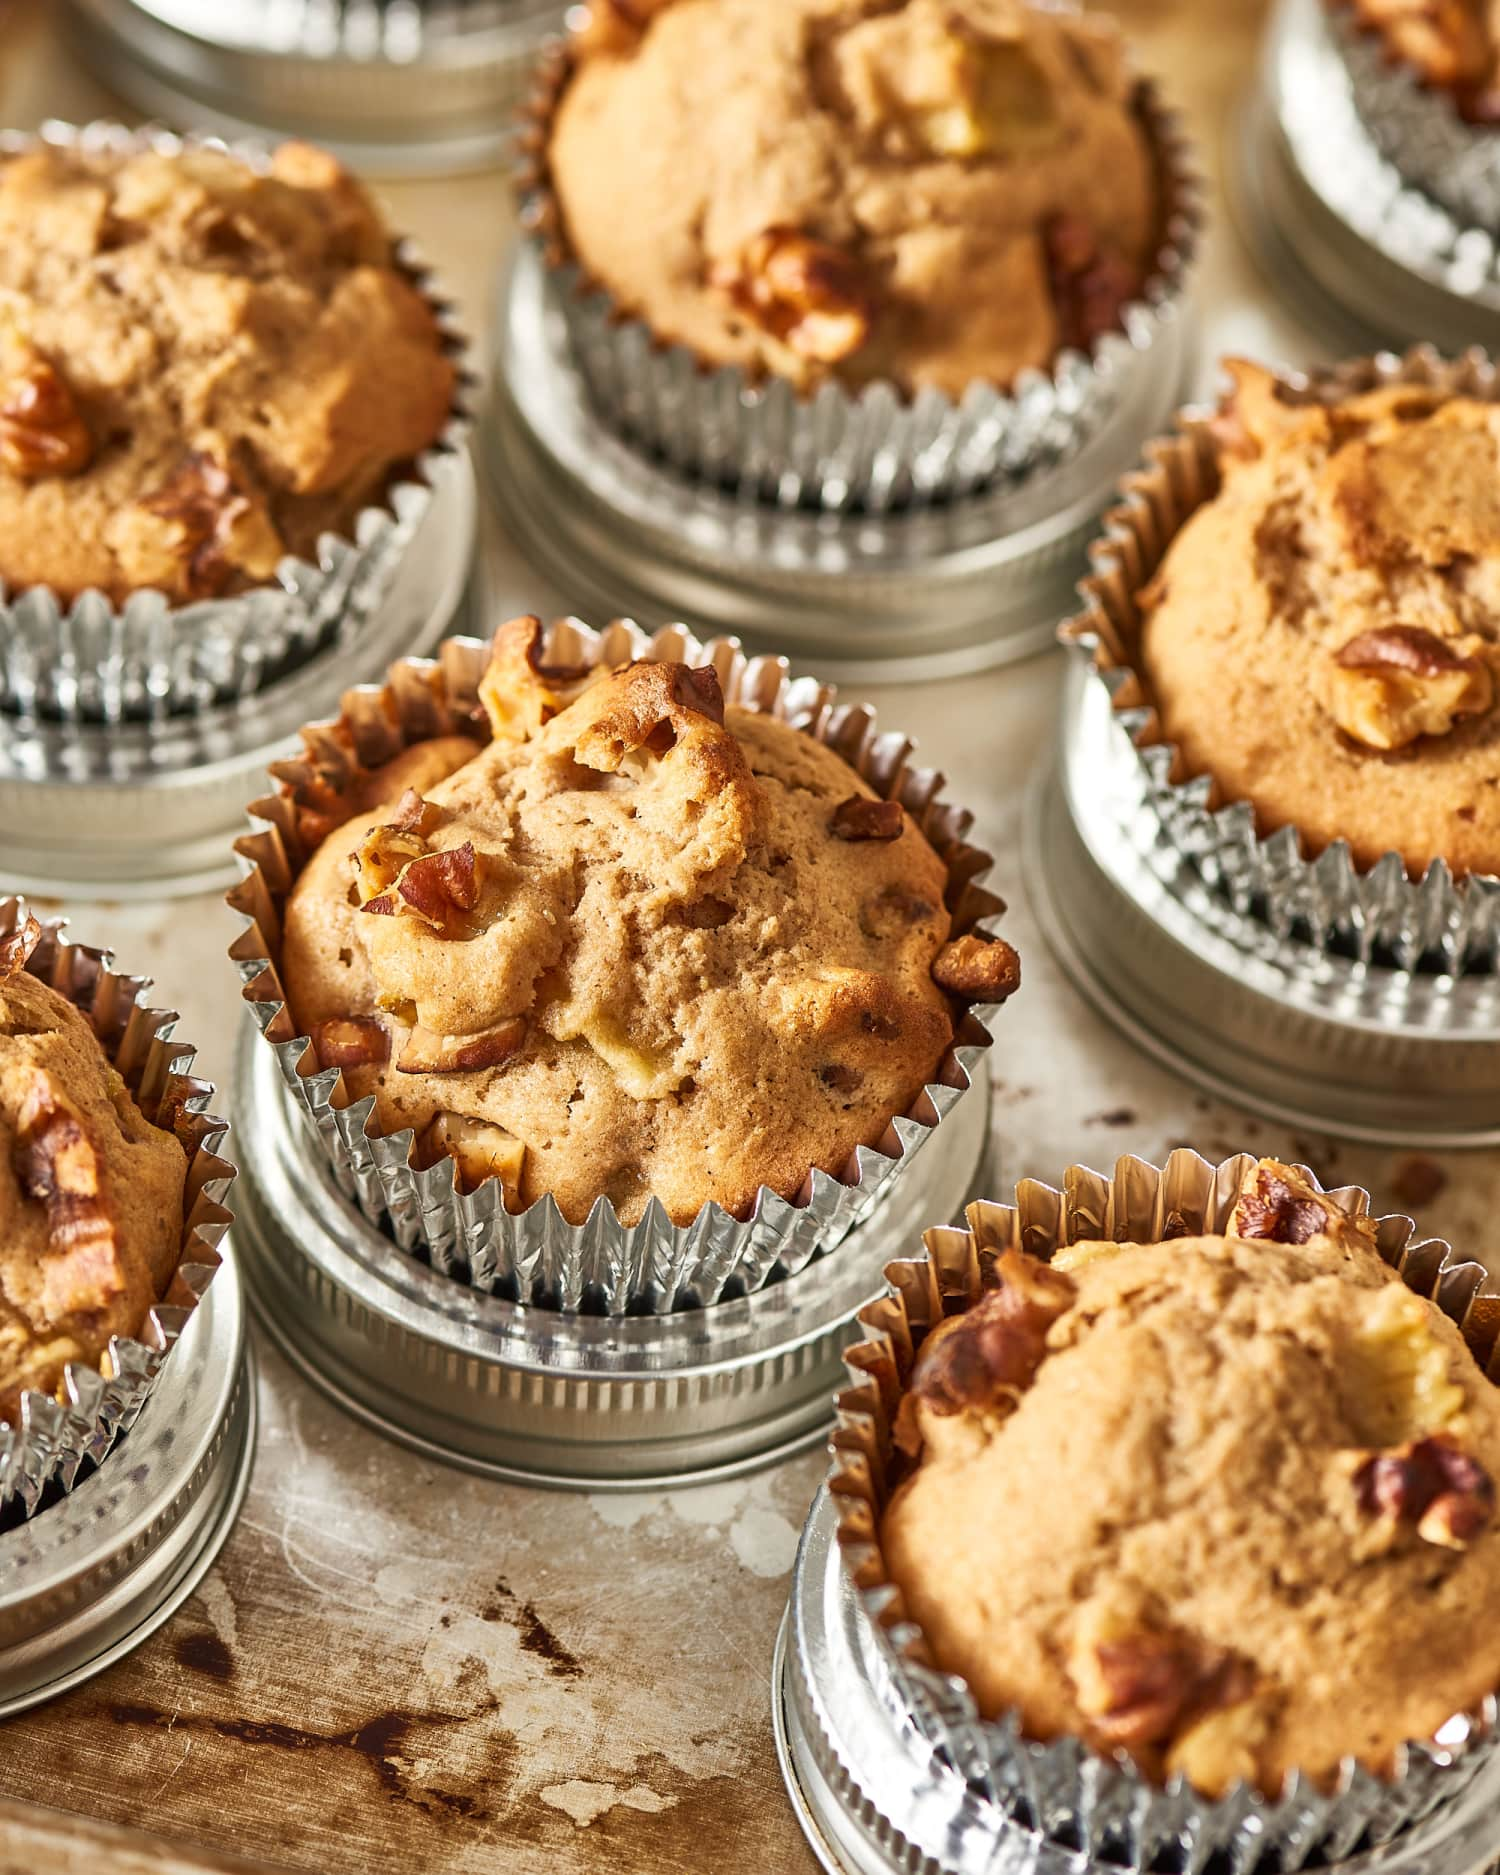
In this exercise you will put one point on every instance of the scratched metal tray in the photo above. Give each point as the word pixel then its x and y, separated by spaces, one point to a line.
pixel 86 1579
pixel 533 1394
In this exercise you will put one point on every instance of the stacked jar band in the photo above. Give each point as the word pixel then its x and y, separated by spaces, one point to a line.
pixel 858 264
pixel 1426 85
pixel 1245 1629
pixel 226 397
pixel 114 1207
pixel 612 972
pixel 1294 610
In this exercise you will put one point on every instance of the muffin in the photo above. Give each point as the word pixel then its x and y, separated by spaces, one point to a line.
pixel 624 943
pixel 1320 636
pixel 1278 1519
pixel 91 1192
pixel 929 193
pixel 1453 47
pixel 204 366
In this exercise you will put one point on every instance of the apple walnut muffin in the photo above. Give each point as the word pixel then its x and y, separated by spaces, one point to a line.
pixel 1276 1530
pixel 936 192
pixel 1453 45
pixel 202 368
pixel 91 1193
pixel 638 944
pixel 1323 635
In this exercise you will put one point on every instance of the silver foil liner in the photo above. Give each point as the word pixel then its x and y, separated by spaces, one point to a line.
pixel 1378 909
pixel 91 661
pixel 53 1439
pixel 873 449
pixel 536 1255
pixel 1102 1807
pixel 1417 125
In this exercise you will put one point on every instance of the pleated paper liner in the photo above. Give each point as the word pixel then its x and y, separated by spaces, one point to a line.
pixel 89 661
pixel 1417 125
pixel 1377 911
pixel 1100 1806
pixel 56 1440
pixel 536 1255
pixel 873 449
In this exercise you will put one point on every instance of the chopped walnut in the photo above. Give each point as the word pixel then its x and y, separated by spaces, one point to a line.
pixel 1272 1208
pixel 432 887
pixel 1139 1687
pixel 350 1042
pixel 1091 284
pixel 520 692
pixel 1432 1483
pixel 860 818
pixel 977 969
pixel 806 294
pixel 202 531
pixel 380 857
pixel 427 1052
pixel 479 1149
pixel 42 432
pixel 1392 686
pixel 56 1165
pixel 984 1359
pixel 16 946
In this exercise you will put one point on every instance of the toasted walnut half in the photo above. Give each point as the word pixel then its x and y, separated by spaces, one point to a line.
pixel 479 1149
pixel 42 431
pixel 806 294
pixel 200 532
pixel 16 946
pixel 986 1358
pixel 1391 686
pixel 977 968
pixel 519 691
pixel 860 818
pixel 1432 1483
pixel 1140 1687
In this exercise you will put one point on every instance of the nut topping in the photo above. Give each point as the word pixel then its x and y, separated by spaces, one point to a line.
pixel 41 430
pixel 520 692
pixel 986 1358
pixel 479 1149
pixel 1090 283
pixel 56 1166
pixel 16 946
pixel 351 1042
pixel 807 294
pixel 427 1052
pixel 380 858
pixel 860 818
pixel 1271 1209
pixel 1431 1483
pixel 1393 685
pixel 1141 1688
pixel 431 887
pixel 199 532
pixel 977 969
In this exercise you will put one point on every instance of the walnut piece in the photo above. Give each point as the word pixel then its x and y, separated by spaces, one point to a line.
pixel 479 1149
pixel 519 691
pixel 1141 1688
pixel 977 969
pixel 1392 686
pixel 197 534
pixel 1432 1483
pixel 16 946
pixel 1090 283
pixel 1272 1209
pixel 860 818
pixel 427 1052
pixel 432 887
pixel 42 432
pixel 806 294
pixel 984 1359
pixel 351 1042
pixel 56 1165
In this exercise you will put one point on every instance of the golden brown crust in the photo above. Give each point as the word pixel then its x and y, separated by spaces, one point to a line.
pixel 91 1195
pixel 202 369
pixel 662 972
pixel 1200 1473
pixel 823 187
pixel 1321 636
pixel 1450 44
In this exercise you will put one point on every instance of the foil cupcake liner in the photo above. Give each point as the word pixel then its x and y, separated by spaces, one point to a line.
pixel 1102 1807
pixel 1377 910
pixel 536 1255
pixel 1417 125
pixel 53 1438
pixel 90 661
pixel 875 449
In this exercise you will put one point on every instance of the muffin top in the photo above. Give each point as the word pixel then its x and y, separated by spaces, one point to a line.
pixel 1323 636
pixel 932 191
pixel 1275 1522
pixel 91 1194
pixel 638 944
pixel 1453 46
pixel 202 368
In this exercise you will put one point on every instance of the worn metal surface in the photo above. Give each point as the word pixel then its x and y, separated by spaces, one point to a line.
pixel 399 1667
